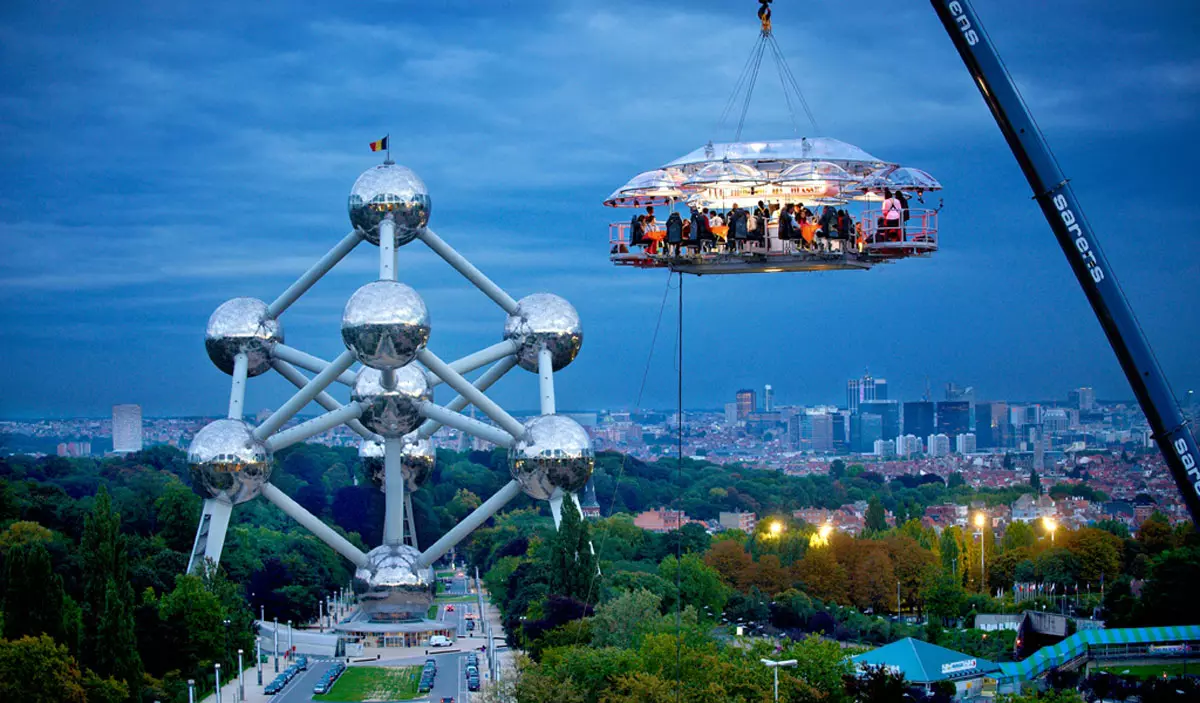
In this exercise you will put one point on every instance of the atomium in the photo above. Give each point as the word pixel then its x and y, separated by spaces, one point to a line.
pixel 227 462
pixel 544 319
pixel 385 324
pixel 391 374
pixel 395 411
pixel 389 190
pixel 241 325
pixel 555 454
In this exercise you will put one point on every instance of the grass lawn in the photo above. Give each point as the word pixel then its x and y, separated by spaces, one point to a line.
pixel 1153 670
pixel 445 573
pixel 375 683
pixel 431 614
pixel 457 599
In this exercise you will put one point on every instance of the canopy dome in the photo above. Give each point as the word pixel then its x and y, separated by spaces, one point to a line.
pixel 848 156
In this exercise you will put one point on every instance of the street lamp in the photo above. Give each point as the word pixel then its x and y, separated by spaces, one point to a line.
pixel 241 678
pixel 191 690
pixel 776 528
pixel 774 666
pixel 258 655
pixel 217 674
pixel 321 615
pixel 275 650
pixel 290 645
pixel 1051 525
pixel 980 521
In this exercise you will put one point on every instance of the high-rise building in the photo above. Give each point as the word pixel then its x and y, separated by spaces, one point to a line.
pixel 953 417
pixel 991 425
pixel 865 428
pixel 746 403
pixel 127 428
pixel 731 414
pixel 965 443
pixel 938 445
pixel 822 432
pixel 852 395
pixel 841 432
pixel 885 447
pixel 1082 399
pixel 881 389
pixel 889 413
pixel 955 392
pixel 907 445
pixel 768 398
pixel 919 418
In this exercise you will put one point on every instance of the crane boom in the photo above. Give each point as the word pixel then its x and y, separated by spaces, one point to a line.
pixel 1065 215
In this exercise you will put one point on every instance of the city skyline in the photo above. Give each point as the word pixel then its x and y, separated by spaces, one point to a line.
pixel 997 305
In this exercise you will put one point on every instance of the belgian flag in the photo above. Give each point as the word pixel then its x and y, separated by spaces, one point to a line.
pixel 380 145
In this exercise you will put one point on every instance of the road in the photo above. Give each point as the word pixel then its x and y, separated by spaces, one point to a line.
pixel 299 689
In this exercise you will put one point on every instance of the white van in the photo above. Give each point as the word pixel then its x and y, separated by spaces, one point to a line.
pixel 440 641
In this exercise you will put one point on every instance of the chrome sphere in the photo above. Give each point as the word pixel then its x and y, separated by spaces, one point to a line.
pixel 555 452
pixel 242 325
pixel 385 324
pixel 544 319
pixel 417 460
pixel 389 191
pixel 228 462
pixel 391 412
pixel 392 580
pixel 370 453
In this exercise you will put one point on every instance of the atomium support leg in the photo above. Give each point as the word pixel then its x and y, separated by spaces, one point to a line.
pixel 237 389
pixel 311 276
pixel 308 362
pixel 462 423
pixel 310 390
pixel 468 270
pixel 310 522
pixel 393 481
pixel 479 359
pixel 485 404
pixel 483 383
pixel 459 532
pixel 546 380
pixel 210 535
pixel 323 399
pixel 410 533
pixel 556 506
pixel 313 427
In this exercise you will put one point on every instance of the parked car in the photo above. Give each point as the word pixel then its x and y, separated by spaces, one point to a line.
pixel 473 684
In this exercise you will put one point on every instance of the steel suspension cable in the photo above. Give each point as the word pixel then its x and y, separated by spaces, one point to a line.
pixel 737 88
pixel 762 46
pixel 678 506
pixel 785 68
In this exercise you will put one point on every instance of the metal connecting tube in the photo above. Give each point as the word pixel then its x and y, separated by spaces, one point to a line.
pixel 237 389
pixel 314 427
pixel 485 404
pixel 468 270
pixel 478 360
pixel 546 380
pixel 483 383
pixel 462 423
pixel 297 402
pixel 311 276
pixel 490 507
pixel 308 362
pixel 308 521
pixel 323 399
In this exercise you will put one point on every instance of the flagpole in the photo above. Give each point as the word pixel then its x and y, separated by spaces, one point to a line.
pixel 388 141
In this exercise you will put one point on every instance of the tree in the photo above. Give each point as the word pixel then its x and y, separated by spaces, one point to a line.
pixel 24 532
pixel 1034 482
pixel 876 519
pixel 1016 535
pixel 464 502
pixel 572 565
pixel 37 670
pixel 955 480
pixel 944 598
pixel 616 623
pixel 874 684
pixel 110 644
pixel 1167 593
pixel 730 560
pixel 176 512
pixel 697 584
pixel 1099 553
pixel 33 594
pixel 949 550
pixel 822 576
pixel 193 617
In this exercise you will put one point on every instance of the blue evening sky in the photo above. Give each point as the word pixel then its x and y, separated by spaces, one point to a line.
pixel 159 158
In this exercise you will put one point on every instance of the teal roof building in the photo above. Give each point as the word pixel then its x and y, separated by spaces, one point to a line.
pixel 924 664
